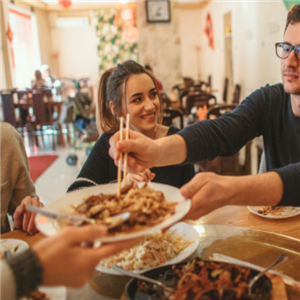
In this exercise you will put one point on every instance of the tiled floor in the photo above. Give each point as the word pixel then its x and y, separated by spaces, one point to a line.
pixel 53 183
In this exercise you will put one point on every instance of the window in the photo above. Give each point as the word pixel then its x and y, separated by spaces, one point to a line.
pixel 25 50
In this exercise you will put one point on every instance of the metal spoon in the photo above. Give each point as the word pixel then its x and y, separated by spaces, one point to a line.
pixel 111 222
pixel 144 278
pixel 281 258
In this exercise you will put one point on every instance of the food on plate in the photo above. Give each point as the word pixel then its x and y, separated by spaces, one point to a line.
pixel 147 207
pixel 205 280
pixel 156 249
pixel 36 295
pixel 271 210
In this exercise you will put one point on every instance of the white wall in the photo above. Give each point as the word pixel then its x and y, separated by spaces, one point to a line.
pixel 256 27
pixel 76 49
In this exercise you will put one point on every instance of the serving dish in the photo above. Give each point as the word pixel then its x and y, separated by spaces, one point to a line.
pixel 262 290
pixel 185 231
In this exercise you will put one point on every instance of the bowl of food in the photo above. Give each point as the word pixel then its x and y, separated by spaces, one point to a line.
pixel 202 280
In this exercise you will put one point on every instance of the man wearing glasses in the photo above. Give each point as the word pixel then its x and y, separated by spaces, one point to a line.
pixel 271 111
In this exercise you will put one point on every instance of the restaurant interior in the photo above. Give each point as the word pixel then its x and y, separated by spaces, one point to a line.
pixel 207 55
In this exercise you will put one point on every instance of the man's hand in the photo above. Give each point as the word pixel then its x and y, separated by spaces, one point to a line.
pixel 142 151
pixel 66 262
pixel 25 219
pixel 209 191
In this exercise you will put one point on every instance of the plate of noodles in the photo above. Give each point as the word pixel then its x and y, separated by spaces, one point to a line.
pixel 156 250
pixel 275 212
pixel 152 207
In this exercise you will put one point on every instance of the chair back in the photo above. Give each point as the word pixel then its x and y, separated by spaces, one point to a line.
pixel 8 107
pixel 236 94
pixel 219 110
pixel 169 114
pixel 199 100
pixel 225 91
pixel 42 115
pixel 188 81
pixel 166 101
pixel 22 94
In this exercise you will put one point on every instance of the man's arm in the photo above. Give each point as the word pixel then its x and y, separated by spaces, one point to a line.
pixel 209 191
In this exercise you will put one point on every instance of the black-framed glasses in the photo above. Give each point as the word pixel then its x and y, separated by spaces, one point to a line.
pixel 283 50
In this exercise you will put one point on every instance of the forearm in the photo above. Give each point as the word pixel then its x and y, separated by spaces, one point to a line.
pixel 171 150
pixel 262 189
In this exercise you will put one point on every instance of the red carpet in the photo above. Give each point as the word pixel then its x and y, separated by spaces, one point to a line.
pixel 39 164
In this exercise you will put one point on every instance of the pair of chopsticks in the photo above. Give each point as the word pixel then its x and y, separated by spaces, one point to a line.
pixel 119 177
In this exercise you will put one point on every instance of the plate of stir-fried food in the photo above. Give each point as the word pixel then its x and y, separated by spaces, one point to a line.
pixel 152 207
pixel 200 280
pixel 156 250
pixel 275 212
pixel 13 245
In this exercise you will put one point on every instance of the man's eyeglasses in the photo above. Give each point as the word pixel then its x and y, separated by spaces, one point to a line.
pixel 283 50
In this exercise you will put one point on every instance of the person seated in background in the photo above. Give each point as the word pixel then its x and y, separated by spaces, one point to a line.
pixel 49 78
pixel 128 89
pixel 271 111
pixel 157 82
pixel 38 82
pixel 57 260
pixel 17 189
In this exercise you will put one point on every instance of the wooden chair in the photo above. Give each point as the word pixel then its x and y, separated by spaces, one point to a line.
pixel 236 94
pixel 225 90
pixel 188 81
pixel 43 117
pixel 166 101
pixel 8 108
pixel 227 165
pixel 199 99
pixel 169 114
pixel 219 110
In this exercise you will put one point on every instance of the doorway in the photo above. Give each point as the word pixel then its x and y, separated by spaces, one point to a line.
pixel 228 54
pixel 25 47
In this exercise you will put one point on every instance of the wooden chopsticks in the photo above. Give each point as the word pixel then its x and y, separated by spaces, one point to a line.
pixel 119 176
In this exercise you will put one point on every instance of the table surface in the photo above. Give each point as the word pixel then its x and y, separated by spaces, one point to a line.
pixel 231 230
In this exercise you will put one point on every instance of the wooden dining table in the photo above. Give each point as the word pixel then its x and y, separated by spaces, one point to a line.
pixel 231 230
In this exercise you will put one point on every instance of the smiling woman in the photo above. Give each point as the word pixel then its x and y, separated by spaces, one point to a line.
pixel 129 88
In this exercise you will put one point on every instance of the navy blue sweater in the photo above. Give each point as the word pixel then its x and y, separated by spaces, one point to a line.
pixel 266 112
pixel 100 168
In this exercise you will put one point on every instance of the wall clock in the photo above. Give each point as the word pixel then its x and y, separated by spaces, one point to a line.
pixel 158 11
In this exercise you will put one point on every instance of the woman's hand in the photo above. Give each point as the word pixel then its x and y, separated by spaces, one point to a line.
pixel 24 219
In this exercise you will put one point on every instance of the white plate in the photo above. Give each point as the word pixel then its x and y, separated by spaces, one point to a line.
pixel 11 244
pixel 186 232
pixel 289 211
pixel 172 194
pixel 54 293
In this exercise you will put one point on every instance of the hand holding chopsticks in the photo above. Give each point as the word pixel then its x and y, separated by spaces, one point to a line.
pixel 121 154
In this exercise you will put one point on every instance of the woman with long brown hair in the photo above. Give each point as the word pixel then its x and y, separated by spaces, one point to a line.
pixel 128 89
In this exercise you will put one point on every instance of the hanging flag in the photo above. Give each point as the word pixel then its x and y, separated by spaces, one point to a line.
pixel 209 31
pixel 65 4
